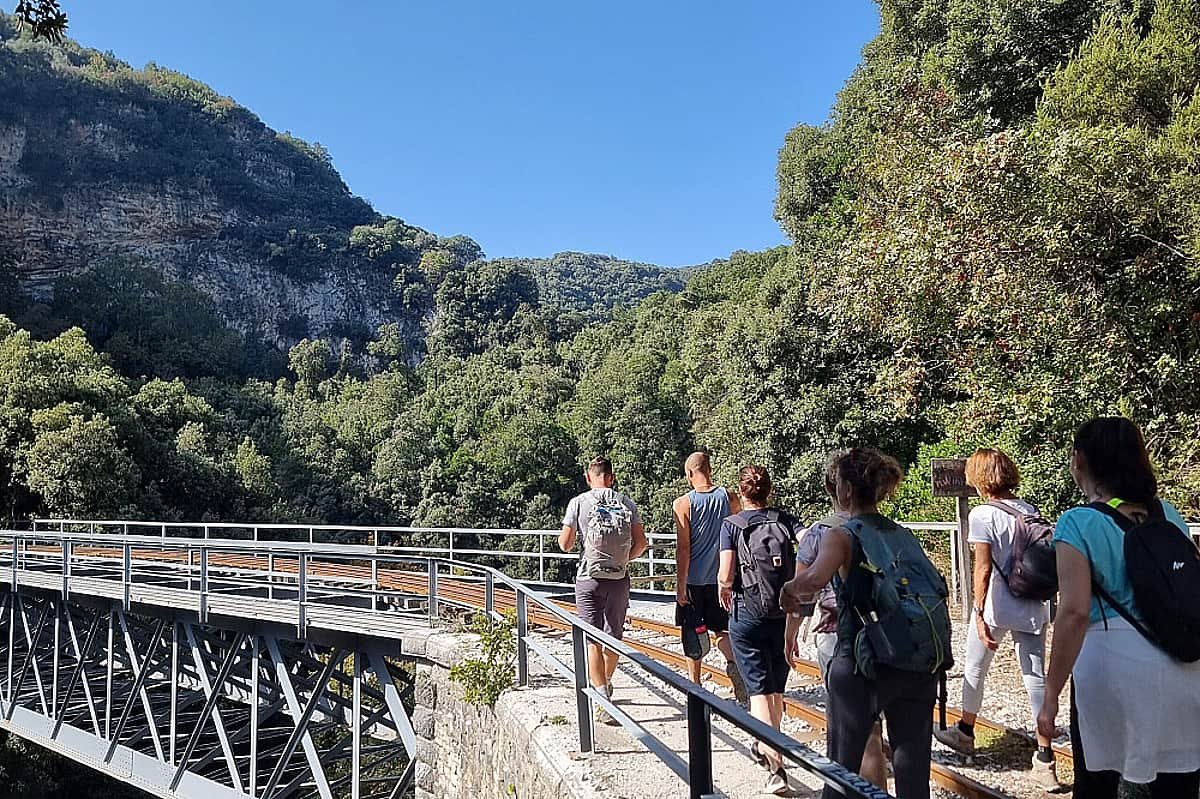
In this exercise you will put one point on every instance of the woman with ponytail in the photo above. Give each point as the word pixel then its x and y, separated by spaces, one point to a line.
pixel 1135 710
pixel 758 556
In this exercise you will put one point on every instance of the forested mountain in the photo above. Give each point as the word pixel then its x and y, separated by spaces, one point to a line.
pixel 994 236
pixel 577 281
pixel 139 202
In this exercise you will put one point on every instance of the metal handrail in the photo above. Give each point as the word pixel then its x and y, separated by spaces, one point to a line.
pixel 658 562
pixel 699 704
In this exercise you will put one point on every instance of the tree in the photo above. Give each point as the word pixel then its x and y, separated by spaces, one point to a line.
pixel 44 18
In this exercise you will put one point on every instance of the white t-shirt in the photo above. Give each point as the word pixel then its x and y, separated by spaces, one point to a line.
pixel 989 525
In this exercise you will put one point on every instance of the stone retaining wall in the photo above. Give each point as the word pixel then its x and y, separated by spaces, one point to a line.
pixel 521 749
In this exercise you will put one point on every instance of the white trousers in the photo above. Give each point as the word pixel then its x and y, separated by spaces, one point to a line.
pixel 1031 657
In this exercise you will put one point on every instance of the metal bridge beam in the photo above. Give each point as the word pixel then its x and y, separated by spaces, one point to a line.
pixel 186 710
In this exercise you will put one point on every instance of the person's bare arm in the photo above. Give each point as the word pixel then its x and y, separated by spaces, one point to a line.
pixel 982 575
pixel 637 531
pixel 566 539
pixel 725 579
pixel 791 648
pixel 1070 627
pixel 682 510
pixel 833 555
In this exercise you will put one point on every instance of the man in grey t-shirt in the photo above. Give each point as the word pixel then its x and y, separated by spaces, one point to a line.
pixel 601 601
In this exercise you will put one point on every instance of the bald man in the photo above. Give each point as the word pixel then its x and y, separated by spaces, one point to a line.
pixel 698 516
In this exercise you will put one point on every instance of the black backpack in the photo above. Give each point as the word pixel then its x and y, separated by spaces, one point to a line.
pixel 1164 568
pixel 766 554
pixel 1031 570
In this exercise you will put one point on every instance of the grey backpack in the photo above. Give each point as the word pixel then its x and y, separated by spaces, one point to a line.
pixel 607 538
pixel 899 598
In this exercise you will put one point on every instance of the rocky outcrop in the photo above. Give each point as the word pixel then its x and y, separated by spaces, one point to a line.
pixel 188 234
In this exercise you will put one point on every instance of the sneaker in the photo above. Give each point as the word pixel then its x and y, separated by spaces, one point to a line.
pixel 777 783
pixel 740 694
pixel 1045 775
pixel 608 689
pixel 956 739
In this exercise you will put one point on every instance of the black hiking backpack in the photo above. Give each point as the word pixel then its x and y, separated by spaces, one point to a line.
pixel 766 555
pixel 1031 569
pixel 1164 569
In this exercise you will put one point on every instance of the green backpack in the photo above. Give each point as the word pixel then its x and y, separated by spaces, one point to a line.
pixel 899 598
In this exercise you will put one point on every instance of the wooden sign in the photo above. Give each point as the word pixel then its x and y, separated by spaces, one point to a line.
pixel 950 478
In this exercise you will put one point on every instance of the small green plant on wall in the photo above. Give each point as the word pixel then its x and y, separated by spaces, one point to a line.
pixel 485 677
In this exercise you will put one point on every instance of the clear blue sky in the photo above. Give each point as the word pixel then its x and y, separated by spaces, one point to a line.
pixel 646 130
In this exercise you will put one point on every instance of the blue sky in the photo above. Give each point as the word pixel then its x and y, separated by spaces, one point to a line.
pixel 645 130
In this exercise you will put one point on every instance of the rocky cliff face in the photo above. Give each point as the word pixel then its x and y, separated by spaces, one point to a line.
pixel 99 161
pixel 188 235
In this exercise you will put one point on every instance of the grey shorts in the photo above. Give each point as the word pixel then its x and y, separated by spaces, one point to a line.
pixel 603 603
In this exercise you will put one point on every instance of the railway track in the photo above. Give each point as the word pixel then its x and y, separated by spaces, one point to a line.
pixel 472 595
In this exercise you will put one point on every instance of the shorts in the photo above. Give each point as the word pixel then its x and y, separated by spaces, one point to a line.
pixel 603 603
pixel 707 604
pixel 758 650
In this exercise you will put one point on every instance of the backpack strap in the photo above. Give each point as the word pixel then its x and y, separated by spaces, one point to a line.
pixel 1126 524
pixel 1016 515
pixel 1004 506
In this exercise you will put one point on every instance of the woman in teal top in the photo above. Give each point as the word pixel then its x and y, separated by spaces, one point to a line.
pixel 1135 710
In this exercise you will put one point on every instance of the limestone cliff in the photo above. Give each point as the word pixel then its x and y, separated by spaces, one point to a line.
pixel 100 161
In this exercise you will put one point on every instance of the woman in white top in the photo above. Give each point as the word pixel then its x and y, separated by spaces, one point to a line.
pixel 997 612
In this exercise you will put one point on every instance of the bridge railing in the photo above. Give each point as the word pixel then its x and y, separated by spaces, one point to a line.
pixel 539 548
pixel 355 589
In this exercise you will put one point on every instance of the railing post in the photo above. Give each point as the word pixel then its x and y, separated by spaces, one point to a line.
pixel 650 554
pixel 700 771
pixel 15 544
pixel 270 575
pixel 301 616
pixel 375 583
pixel 451 545
pixel 127 572
pixel 432 592
pixel 66 575
pixel 489 594
pixel 203 584
pixel 541 557
pixel 311 536
pixel 583 703
pixel 522 631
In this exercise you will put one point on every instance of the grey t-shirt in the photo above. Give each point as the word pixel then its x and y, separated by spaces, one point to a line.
pixel 580 508
pixel 989 525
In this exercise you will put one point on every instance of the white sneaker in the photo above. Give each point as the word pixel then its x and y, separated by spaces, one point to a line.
pixel 1045 775
pixel 956 739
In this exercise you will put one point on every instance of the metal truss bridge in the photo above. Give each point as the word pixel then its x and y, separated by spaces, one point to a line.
pixel 209 668
pixel 194 666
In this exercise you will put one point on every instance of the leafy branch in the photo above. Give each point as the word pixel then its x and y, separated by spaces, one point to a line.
pixel 486 677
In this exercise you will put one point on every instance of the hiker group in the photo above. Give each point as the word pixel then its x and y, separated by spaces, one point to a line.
pixel 1122 567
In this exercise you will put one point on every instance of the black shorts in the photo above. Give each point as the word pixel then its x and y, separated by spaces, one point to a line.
pixel 705 602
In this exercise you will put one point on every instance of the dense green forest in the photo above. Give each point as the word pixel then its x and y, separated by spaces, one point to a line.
pixel 994 236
